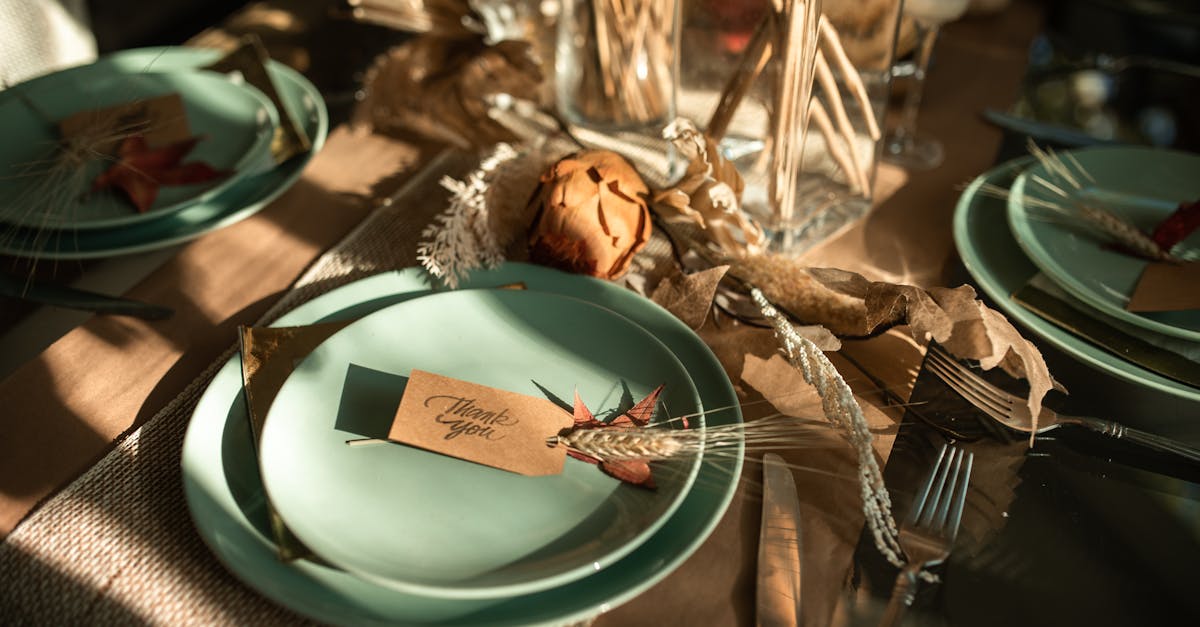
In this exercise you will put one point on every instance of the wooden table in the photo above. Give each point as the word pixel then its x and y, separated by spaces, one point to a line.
pixel 66 405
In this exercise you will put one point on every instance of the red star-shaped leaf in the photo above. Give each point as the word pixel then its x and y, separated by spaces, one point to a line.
pixel 140 170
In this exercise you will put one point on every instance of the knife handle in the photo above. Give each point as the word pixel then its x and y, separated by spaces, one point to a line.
pixel 73 298
pixel 1137 436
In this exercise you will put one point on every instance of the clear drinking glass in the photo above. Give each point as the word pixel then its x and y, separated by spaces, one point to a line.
pixel 616 63
pixel 904 146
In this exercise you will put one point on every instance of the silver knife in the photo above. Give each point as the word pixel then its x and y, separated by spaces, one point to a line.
pixel 1047 131
pixel 72 298
pixel 778 586
pixel 1107 337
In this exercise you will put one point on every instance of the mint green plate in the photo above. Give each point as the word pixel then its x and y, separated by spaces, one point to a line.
pixel 432 524
pixel 994 260
pixel 242 199
pixel 235 121
pixel 1143 185
pixel 227 503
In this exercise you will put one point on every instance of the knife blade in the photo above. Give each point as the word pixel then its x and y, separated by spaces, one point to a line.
pixel 1056 133
pixel 778 586
pixel 73 298
pixel 1129 347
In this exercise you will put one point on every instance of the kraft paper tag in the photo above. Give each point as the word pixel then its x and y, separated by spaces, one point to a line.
pixel 1167 287
pixel 480 424
pixel 161 120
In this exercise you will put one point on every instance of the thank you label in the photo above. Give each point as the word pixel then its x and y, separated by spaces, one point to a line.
pixel 481 424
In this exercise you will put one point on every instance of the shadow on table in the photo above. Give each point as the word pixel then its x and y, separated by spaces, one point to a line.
pixel 1079 529
pixel 76 601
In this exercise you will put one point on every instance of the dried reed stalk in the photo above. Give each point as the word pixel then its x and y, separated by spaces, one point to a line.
pixel 797 46
pixel 1067 176
pixel 628 56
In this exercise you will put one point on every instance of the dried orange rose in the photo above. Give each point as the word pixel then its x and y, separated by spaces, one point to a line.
pixel 591 215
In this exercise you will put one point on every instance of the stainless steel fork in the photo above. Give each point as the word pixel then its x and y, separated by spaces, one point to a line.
pixel 928 534
pixel 1012 411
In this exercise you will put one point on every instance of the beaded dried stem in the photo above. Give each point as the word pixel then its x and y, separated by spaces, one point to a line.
pixel 841 408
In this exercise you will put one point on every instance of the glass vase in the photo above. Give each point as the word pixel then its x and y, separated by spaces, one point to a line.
pixel 616 64
pixel 797 99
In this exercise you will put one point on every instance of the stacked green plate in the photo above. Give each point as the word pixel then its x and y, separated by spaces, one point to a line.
pixel 237 123
pixel 227 500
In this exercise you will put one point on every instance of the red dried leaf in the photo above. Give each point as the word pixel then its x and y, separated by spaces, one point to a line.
pixel 1177 226
pixel 583 457
pixel 637 471
pixel 583 415
pixel 641 413
pixel 140 170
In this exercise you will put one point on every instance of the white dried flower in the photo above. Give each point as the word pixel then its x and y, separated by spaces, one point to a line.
pixel 709 194
pixel 460 239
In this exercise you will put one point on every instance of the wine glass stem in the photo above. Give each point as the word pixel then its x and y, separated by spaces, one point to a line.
pixel 926 37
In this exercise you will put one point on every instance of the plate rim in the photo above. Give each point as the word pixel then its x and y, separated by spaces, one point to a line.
pixel 243 546
pixel 1027 237
pixel 1001 294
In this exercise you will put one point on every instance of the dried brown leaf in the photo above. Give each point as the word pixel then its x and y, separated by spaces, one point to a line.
pixel 689 296
pixel 406 94
pixel 850 305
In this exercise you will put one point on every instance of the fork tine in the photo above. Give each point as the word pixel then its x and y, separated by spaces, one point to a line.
pixel 971 377
pixel 957 383
pixel 960 497
pixel 981 393
pixel 936 518
pixel 922 497
pixel 939 487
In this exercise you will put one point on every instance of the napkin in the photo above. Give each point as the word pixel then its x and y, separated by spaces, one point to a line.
pixel 269 354
pixel 1171 357
pixel 250 60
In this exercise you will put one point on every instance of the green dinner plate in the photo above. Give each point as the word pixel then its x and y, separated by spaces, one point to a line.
pixel 994 260
pixel 243 198
pixel 234 121
pixel 431 524
pixel 1143 185
pixel 226 499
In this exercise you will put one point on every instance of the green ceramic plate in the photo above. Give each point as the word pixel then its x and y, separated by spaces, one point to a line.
pixel 226 500
pixel 235 121
pixel 242 199
pixel 994 260
pixel 1143 185
pixel 435 525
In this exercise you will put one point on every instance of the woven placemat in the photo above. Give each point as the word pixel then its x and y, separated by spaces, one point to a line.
pixel 117 545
